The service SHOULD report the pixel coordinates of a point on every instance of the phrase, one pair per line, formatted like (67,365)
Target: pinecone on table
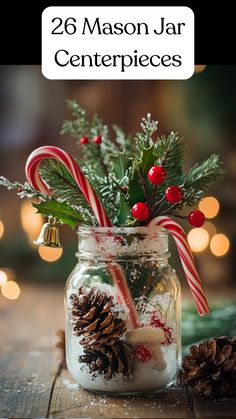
(211,368)
(95,318)
(109,360)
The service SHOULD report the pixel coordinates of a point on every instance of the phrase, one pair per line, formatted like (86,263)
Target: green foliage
(195,183)
(94,155)
(146,160)
(60,211)
(24,190)
(118,169)
(144,139)
(221,321)
(123,214)
(65,190)
(120,164)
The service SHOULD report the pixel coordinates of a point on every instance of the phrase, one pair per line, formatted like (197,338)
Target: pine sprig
(170,154)
(65,190)
(24,190)
(108,188)
(95,155)
(196,182)
(144,139)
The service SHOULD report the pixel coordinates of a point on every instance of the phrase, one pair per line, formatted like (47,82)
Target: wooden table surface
(35,384)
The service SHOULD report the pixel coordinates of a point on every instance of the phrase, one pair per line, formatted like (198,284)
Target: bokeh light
(11,290)
(198,239)
(219,244)
(50,254)
(199,68)
(209,206)
(3,278)
(31,222)
(1,229)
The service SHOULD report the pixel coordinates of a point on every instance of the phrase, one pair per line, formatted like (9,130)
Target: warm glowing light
(3,278)
(31,222)
(198,239)
(1,229)
(199,68)
(209,206)
(219,244)
(50,254)
(11,290)
(210,228)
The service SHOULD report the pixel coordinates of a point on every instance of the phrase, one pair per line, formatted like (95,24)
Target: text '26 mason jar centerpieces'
(123,298)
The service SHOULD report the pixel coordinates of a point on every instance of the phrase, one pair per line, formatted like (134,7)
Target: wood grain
(34,384)
(217,409)
(70,401)
(26,383)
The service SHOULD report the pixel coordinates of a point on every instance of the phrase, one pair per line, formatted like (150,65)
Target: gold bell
(49,235)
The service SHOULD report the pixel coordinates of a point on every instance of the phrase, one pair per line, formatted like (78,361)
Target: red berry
(196,218)
(174,194)
(141,211)
(84,140)
(156,175)
(97,139)
(143,352)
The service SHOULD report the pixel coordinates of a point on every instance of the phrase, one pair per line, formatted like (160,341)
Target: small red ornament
(141,211)
(196,218)
(156,175)
(143,352)
(174,194)
(97,139)
(84,140)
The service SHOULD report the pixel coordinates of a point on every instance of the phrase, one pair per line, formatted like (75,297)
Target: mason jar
(123,312)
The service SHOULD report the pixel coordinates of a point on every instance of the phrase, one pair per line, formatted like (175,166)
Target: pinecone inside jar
(211,368)
(95,318)
(109,360)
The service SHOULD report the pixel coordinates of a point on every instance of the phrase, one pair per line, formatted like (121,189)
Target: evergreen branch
(108,188)
(95,155)
(64,188)
(170,151)
(124,143)
(24,190)
(144,139)
(197,181)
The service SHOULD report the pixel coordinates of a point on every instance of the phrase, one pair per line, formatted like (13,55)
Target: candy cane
(32,174)
(187,261)
(33,177)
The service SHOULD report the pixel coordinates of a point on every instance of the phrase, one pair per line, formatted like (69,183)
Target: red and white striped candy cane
(187,261)
(52,152)
(32,174)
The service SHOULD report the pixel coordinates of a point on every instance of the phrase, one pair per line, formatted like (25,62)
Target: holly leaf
(146,160)
(61,211)
(120,164)
(135,191)
(124,212)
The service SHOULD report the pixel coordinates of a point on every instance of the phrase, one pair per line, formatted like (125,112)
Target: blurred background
(32,109)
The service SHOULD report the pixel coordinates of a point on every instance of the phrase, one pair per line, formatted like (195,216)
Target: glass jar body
(123,313)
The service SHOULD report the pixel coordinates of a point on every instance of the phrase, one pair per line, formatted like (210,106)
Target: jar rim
(143,230)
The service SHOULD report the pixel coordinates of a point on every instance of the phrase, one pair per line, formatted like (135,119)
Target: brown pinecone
(211,368)
(109,360)
(95,319)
